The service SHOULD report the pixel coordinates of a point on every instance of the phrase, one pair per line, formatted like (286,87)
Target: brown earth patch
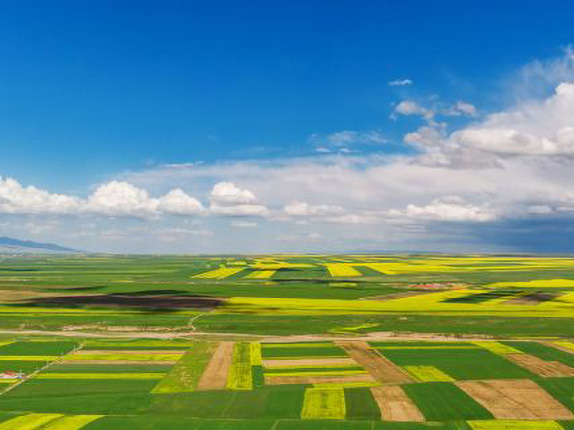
(519,399)
(379,367)
(395,405)
(532,298)
(302,379)
(309,362)
(215,374)
(541,367)
(392,296)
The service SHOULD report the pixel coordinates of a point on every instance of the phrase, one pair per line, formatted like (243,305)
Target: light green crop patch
(75,422)
(240,375)
(28,357)
(324,403)
(29,421)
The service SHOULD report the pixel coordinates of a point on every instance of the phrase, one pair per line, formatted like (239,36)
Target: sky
(288,126)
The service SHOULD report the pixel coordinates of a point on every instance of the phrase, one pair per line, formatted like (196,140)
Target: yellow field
(539,283)
(28,357)
(29,421)
(324,403)
(220,273)
(497,347)
(75,422)
(428,374)
(430,304)
(255,353)
(340,270)
(240,376)
(261,274)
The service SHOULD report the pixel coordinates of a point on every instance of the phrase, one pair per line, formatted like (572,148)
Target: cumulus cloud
(17,199)
(229,200)
(115,198)
(229,193)
(447,208)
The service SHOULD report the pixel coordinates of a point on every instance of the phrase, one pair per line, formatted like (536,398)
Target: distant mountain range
(16,246)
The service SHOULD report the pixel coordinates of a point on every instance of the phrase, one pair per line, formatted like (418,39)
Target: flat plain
(287,342)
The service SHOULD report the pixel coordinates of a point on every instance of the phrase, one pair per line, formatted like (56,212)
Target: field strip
(100,376)
(29,421)
(215,375)
(298,345)
(381,369)
(331,372)
(515,399)
(428,374)
(178,352)
(304,379)
(255,353)
(118,362)
(562,345)
(497,347)
(395,405)
(28,357)
(514,425)
(427,347)
(240,376)
(220,273)
(324,403)
(73,422)
(261,274)
(306,362)
(311,366)
(340,270)
(131,357)
(541,367)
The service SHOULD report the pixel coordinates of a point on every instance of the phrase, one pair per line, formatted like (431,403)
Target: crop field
(279,342)
(337,384)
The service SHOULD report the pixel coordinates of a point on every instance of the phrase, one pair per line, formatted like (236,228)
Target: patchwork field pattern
(280,342)
(479,384)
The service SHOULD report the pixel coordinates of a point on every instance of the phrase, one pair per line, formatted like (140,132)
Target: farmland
(286,342)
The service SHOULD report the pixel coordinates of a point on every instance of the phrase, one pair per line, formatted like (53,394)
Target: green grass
(360,404)
(544,352)
(443,401)
(460,364)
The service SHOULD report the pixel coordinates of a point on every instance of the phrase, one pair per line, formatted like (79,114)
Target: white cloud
(400,82)
(177,202)
(229,200)
(448,208)
(229,193)
(16,199)
(410,107)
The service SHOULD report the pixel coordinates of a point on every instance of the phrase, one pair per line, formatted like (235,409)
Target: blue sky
(332,125)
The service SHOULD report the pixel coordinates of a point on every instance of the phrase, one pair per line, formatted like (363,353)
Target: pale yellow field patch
(223,272)
(514,425)
(74,422)
(497,347)
(428,374)
(341,270)
(261,274)
(29,421)
(324,403)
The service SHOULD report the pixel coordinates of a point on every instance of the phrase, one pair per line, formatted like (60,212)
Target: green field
(286,342)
